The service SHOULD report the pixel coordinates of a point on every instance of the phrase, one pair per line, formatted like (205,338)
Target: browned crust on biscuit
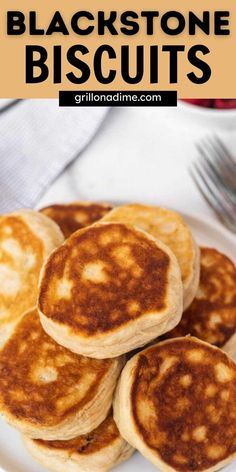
(90,443)
(15,230)
(132,279)
(212,315)
(165,225)
(73,216)
(183,401)
(28,356)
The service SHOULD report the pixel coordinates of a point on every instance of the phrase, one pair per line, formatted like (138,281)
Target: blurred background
(51,154)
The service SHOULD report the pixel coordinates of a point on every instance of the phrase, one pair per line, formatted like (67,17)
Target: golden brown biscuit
(26,239)
(176,403)
(97,451)
(48,392)
(73,216)
(212,315)
(109,289)
(170,228)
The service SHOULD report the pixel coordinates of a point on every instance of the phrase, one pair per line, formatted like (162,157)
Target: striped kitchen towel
(37,141)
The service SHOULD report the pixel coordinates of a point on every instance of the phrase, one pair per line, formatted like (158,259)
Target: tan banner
(72,57)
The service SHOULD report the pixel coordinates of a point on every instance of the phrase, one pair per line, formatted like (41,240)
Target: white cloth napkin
(37,141)
(5,102)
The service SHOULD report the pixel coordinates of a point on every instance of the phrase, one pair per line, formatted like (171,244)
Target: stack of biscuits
(116,333)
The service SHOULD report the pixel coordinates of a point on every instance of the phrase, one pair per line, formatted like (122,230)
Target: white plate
(13,456)
(213,118)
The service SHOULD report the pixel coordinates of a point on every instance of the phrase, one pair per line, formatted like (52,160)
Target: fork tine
(206,159)
(225,151)
(220,179)
(226,172)
(224,159)
(204,188)
(209,187)
(214,203)
(203,192)
(216,178)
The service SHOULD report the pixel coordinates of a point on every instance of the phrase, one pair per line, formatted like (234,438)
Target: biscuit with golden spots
(97,451)
(212,315)
(176,403)
(170,228)
(108,289)
(73,216)
(46,391)
(26,239)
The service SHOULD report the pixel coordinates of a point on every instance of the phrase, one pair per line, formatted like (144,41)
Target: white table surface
(139,154)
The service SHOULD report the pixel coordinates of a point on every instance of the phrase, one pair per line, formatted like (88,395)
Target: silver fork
(214,173)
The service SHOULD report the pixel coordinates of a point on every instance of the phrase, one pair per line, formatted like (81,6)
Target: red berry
(223,103)
(200,102)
